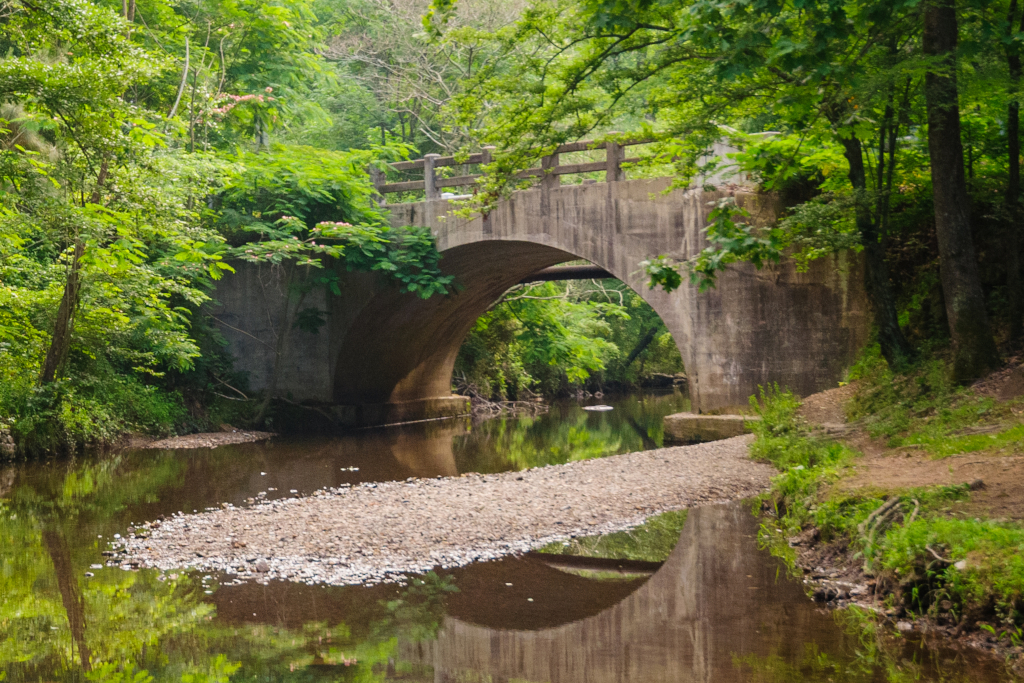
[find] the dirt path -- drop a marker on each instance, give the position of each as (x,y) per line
(369,532)
(999,476)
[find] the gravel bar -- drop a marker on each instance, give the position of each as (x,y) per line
(374,532)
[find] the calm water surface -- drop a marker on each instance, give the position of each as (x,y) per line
(718,609)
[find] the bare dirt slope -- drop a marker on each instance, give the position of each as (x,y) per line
(829,406)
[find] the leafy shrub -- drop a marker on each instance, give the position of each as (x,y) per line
(992,575)
(93,408)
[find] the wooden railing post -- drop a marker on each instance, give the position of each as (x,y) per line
(429,179)
(377,177)
(616,153)
(487,154)
(548,180)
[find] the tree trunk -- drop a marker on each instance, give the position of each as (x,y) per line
(60,343)
(644,342)
(63,328)
(894,345)
(974,347)
(70,592)
(1014,290)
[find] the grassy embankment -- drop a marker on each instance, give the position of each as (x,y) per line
(931,550)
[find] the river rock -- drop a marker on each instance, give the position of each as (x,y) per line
(695,428)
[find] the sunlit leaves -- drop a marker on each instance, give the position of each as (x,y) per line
(304,206)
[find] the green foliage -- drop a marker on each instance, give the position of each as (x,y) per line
(128,177)
(662,272)
(300,205)
(554,338)
(92,410)
(539,339)
(820,227)
(823,99)
(731,241)
(992,574)
(812,230)
(923,406)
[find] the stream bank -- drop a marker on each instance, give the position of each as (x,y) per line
(908,510)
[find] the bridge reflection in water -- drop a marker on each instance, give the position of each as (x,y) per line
(715,599)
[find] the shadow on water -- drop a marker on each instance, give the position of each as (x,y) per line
(713,608)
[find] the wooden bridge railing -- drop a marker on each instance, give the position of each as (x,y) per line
(550,171)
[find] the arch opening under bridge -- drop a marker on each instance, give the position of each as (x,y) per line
(400,351)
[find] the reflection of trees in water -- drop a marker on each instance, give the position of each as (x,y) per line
(59,623)
(565,434)
(53,617)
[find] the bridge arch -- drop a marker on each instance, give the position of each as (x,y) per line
(387,357)
(399,352)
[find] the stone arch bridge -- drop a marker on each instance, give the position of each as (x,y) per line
(384,357)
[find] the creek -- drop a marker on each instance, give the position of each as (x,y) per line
(705,604)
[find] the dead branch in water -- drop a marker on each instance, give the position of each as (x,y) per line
(484,407)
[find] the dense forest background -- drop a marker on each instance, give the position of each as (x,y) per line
(148,144)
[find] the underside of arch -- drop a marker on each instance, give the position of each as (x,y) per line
(396,361)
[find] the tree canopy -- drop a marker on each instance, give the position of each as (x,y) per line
(866,106)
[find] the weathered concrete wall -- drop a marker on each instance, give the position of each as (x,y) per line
(386,356)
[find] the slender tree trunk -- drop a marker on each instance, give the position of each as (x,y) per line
(181,85)
(644,342)
(63,328)
(895,348)
(70,592)
(60,343)
(1014,290)
(974,346)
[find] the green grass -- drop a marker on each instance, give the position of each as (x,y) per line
(924,406)
(652,541)
(991,579)
(942,445)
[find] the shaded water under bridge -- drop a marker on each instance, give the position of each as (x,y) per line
(385,357)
